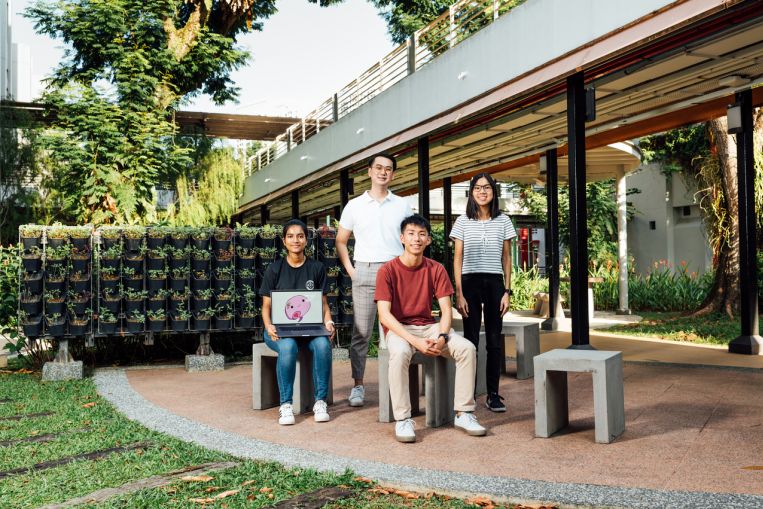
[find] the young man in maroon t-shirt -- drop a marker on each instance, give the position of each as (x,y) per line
(405,287)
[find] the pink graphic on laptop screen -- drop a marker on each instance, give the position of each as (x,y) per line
(297,307)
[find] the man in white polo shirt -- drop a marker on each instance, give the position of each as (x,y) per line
(374,217)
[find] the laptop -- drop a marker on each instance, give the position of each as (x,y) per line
(297,313)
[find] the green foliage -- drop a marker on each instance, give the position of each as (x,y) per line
(524,285)
(715,328)
(9,292)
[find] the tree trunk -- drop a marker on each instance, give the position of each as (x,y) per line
(724,294)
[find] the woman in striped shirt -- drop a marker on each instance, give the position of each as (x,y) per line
(482,271)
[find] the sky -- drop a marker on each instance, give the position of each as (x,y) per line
(303,55)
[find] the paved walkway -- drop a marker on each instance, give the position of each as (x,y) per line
(694,426)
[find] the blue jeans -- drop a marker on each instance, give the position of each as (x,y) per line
(286,365)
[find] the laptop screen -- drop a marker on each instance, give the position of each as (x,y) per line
(296,307)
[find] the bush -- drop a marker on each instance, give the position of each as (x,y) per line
(9,287)
(524,283)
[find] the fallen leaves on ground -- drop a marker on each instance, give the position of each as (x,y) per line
(209,500)
(480,501)
(363,479)
(89,405)
(266,490)
(247,483)
(197,478)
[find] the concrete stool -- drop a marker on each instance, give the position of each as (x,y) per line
(265,381)
(439,382)
(527,341)
(551,408)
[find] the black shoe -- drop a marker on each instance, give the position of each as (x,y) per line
(494,403)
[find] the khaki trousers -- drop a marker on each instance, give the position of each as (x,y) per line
(364,314)
(400,353)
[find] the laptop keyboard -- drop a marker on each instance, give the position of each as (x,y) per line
(294,328)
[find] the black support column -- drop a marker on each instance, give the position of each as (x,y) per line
(749,342)
(424,182)
(447,213)
(552,239)
(576,112)
(295,204)
(264,215)
(345,187)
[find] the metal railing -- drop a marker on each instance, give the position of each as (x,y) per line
(461,20)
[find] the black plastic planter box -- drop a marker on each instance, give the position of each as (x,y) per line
(154,242)
(245,263)
(107,242)
(79,307)
(110,263)
(133,305)
(133,283)
(134,327)
(220,244)
(109,283)
(55,307)
(33,284)
(199,264)
(81,264)
(177,263)
(155,304)
(80,285)
(33,307)
(200,323)
(112,305)
(178,243)
(56,329)
(223,323)
(32,264)
(246,282)
(30,242)
(176,305)
(107,327)
(55,285)
(245,243)
(52,264)
(222,263)
(156,325)
(53,242)
(200,243)
(244,322)
(80,242)
(134,263)
(200,284)
(178,284)
(156,284)
(32,329)
(222,284)
(199,304)
(133,244)
(79,329)
(262,242)
(178,325)
(154,263)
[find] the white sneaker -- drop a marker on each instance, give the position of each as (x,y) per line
(320,411)
(285,415)
(404,431)
(357,394)
(467,421)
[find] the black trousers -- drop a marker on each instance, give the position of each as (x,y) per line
(483,294)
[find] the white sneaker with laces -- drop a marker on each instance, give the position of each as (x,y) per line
(320,411)
(404,431)
(357,395)
(467,422)
(286,415)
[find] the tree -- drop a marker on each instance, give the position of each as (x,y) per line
(707,153)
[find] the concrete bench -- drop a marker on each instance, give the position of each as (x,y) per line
(265,382)
(439,382)
(551,405)
(527,345)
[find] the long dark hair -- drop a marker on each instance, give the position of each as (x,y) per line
(472,209)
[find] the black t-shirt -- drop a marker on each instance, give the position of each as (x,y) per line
(279,275)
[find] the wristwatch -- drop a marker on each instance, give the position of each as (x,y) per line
(443,335)
(509,292)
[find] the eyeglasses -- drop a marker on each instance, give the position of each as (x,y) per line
(382,169)
(486,188)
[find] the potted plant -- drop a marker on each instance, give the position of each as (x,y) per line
(157,319)
(245,257)
(80,281)
(134,260)
(345,307)
(31,259)
(56,256)
(333,271)
(333,290)
(54,301)
(177,257)
(111,256)
(179,278)
(329,252)
(31,235)
(78,302)
(246,278)
(200,280)
(111,299)
(200,259)
(155,259)
(268,235)
(55,324)
(223,276)
(110,236)
(200,238)
(201,319)
(55,278)
(80,258)
(246,235)
(57,235)
(134,238)
(178,300)
(157,279)
(155,237)
(201,299)
(222,238)
(179,237)
(309,251)
(157,300)
(224,298)
(109,277)
(223,317)
(136,321)
(31,303)
(33,282)
(248,309)
(78,325)
(107,321)
(80,237)
(179,320)
(30,324)
(267,253)
(132,279)
(134,299)
(223,257)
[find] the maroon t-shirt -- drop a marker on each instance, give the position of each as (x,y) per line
(411,290)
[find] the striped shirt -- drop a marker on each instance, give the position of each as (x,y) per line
(483,242)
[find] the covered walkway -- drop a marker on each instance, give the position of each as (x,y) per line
(694,437)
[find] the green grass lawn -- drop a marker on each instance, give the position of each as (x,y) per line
(84,422)
(715,329)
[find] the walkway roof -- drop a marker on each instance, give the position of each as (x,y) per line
(496,101)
